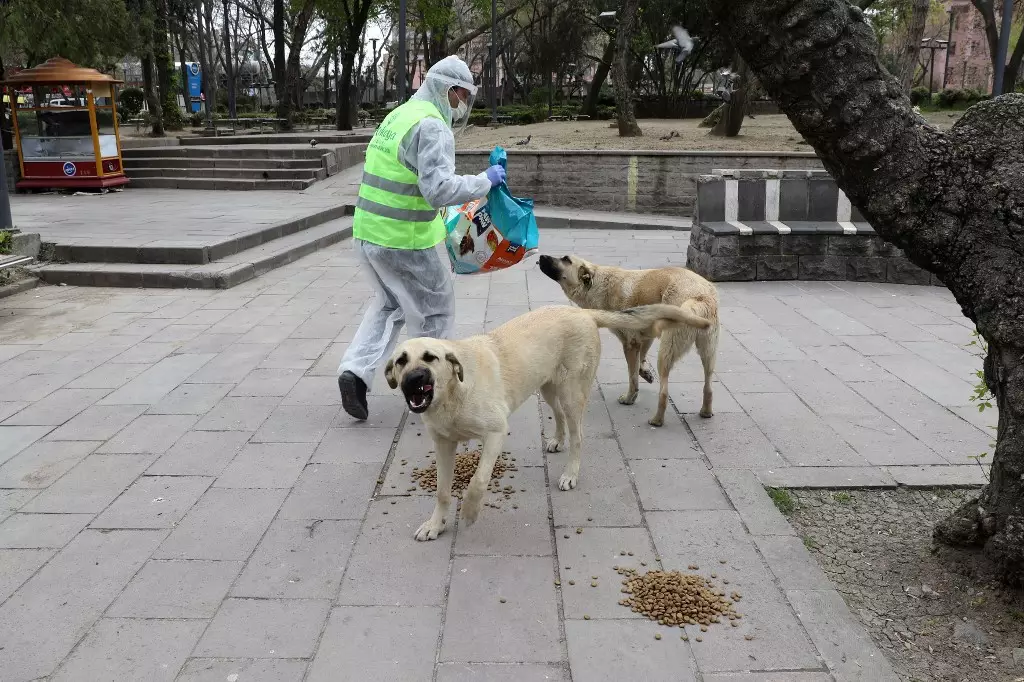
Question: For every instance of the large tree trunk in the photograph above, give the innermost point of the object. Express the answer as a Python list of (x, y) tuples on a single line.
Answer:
[(230, 70), (954, 202), (156, 114), (603, 67), (344, 118), (906, 62), (281, 89), (204, 69), (623, 91), (730, 119)]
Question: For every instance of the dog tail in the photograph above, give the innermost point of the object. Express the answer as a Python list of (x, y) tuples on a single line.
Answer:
[(648, 318)]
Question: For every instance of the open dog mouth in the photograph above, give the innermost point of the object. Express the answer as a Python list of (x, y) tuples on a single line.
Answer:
[(419, 398)]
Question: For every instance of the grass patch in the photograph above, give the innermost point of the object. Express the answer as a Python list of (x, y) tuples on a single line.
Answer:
[(809, 543), (783, 501), (842, 497)]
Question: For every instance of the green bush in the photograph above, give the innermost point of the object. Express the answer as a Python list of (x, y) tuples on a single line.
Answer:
[(479, 118), (173, 118), (948, 97), (195, 119), (920, 95), (130, 102)]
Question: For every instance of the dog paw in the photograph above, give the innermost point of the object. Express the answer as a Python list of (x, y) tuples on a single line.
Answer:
[(552, 445), (628, 398), (429, 530), (656, 421), (646, 373), (471, 503), (707, 413), (567, 481)]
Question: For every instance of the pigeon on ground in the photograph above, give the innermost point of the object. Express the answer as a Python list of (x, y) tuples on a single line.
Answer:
[(682, 42), (313, 143), (523, 143), (668, 137)]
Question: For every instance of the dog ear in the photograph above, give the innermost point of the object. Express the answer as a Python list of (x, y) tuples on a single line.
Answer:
[(585, 276), (456, 365), (389, 374)]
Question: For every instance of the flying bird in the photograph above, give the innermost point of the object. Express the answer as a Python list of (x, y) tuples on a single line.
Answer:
[(682, 42)]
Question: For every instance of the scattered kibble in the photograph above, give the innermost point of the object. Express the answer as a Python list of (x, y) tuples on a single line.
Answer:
[(558, 583), (586, 617), (675, 599), (593, 584), (657, 635), (579, 531), (699, 639), (502, 601), (465, 467), (748, 637), (572, 582)]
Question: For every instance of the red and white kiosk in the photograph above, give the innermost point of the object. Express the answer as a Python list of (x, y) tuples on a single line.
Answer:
[(65, 127)]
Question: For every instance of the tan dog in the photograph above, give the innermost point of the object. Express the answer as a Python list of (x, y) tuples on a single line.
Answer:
[(467, 389), (609, 288)]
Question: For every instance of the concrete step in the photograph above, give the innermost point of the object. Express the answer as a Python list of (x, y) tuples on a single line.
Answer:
[(229, 173), (220, 274), (324, 136), (186, 162), (181, 252), (217, 183), (229, 152)]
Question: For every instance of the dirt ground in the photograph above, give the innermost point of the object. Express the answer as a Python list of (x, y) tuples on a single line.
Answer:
[(936, 612), (761, 133)]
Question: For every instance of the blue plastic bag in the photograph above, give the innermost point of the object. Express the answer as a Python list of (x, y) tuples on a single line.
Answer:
[(492, 233)]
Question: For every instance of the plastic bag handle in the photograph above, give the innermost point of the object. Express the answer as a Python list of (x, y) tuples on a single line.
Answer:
[(499, 157)]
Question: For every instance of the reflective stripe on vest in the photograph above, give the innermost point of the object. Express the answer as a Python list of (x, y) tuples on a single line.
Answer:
[(390, 210)]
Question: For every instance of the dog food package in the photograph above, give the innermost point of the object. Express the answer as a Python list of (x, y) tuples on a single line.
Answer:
[(492, 233)]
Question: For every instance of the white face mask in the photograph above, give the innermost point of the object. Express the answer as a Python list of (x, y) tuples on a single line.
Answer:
[(459, 112)]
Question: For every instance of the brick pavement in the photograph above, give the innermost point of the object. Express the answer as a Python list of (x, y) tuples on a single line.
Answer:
[(181, 497)]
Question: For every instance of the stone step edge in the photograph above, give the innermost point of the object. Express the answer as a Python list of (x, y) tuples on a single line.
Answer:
[(613, 221), (217, 275), (199, 255), (220, 184), (200, 173)]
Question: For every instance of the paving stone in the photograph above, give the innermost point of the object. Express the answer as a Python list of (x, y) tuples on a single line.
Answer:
[(195, 399), (268, 382), (882, 441), (603, 492), (8, 408), (43, 462), (788, 676), (176, 589), (835, 322), (296, 424), (613, 650), (377, 644), (595, 552), (247, 669), (986, 420), (519, 530), (673, 485), (733, 441), (14, 439), (843, 644), (944, 475), (266, 465), (44, 619), (636, 436), (478, 628), (414, 573), (354, 446), (41, 531), (91, 485), (210, 343), (200, 453), (313, 390), (18, 565), (753, 382), (157, 381), (56, 408), (822, 391), (145, 352), (130, 649), (752, 503), (12, 500), (931, 379), (98, 422), (150, 433), (264, 628), (494, 672), (331, 491), (849, 365), (800, 436), (154, 502), (298, 560), (297, 353), (385, 412), (688, 395), (238, 414), (223, 525), (827, 477), (109, 375), (233, 364), (874, 344), (792, 564)]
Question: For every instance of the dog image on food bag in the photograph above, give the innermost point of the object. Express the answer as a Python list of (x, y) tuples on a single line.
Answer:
[(467, 389), (603, 287)]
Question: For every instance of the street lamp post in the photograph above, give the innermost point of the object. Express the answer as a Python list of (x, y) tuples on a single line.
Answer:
[(1004, 46), (6, 220), (949, 44), (401, 51), (374, 41)]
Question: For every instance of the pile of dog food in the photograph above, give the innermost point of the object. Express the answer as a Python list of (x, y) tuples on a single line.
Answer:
[(465, 466), (677, 599)]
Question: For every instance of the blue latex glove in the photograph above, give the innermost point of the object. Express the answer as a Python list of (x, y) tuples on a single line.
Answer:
[(496, 174)]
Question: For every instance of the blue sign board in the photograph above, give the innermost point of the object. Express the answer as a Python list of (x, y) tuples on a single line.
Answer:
[(195, 86)]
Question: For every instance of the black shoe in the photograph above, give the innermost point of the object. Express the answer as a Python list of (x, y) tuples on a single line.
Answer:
[(353, 395)]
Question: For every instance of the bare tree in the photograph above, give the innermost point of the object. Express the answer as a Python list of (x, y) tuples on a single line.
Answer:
[(988, 10), (628, 126)]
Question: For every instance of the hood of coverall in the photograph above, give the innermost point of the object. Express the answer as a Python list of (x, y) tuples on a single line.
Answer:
[(443, 76)]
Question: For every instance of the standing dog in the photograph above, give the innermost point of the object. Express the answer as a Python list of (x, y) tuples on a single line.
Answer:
[(467, 389), (609, 288)]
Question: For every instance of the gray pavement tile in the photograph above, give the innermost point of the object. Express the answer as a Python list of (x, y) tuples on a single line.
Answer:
[(247, 669), (378, 644), (827, 477), (788, 676), (519, 528), (956, 334), (224, 525), (874, 345), (31, 387), (179, 333), (834, 321), (849, 365), (11, 500), (800, 436), (268, 382), (109, 375), (98, 422), (354, 446), (613, 650), (388, 567), (331, 491), (296, 424), (159, 380), (232, 364), (385, 412), (266, 465), (496, 672), (806, 336), (327, 364), (767, 347), (675, 485), (200, 453), (843, 644), (882, 441), (298, 559), (210, 343), (176, 589), (264, 628), (985, 420), (195, 399), (238, 414), (753, 382), (733, 441), (596, 552), (56, 408), (479, 628), (41, 531), (314, 390), (43, 462), (792, 564), (947, 474), (687, 396), (636, 436), (91, 485), (752, 503), (145, 352), (44, 619), (153, 502), (14, 439), (932, 380), (150, 433), (296, 354), (18, 565), (603, 493), (8, 407), (130, 649), (825, 393)]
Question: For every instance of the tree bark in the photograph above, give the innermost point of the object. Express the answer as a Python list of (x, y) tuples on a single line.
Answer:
[(603, 67), (954, 202), (230, 72), (204, 69), (156, 114), (281, 89), (623, 91), (911, 47), (731, 119), (165, 68)]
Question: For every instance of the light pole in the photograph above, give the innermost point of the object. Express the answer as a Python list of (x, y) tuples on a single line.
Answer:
[(1004, 46), (6, 221), (401, 51), (494, 62), (374, 41)]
